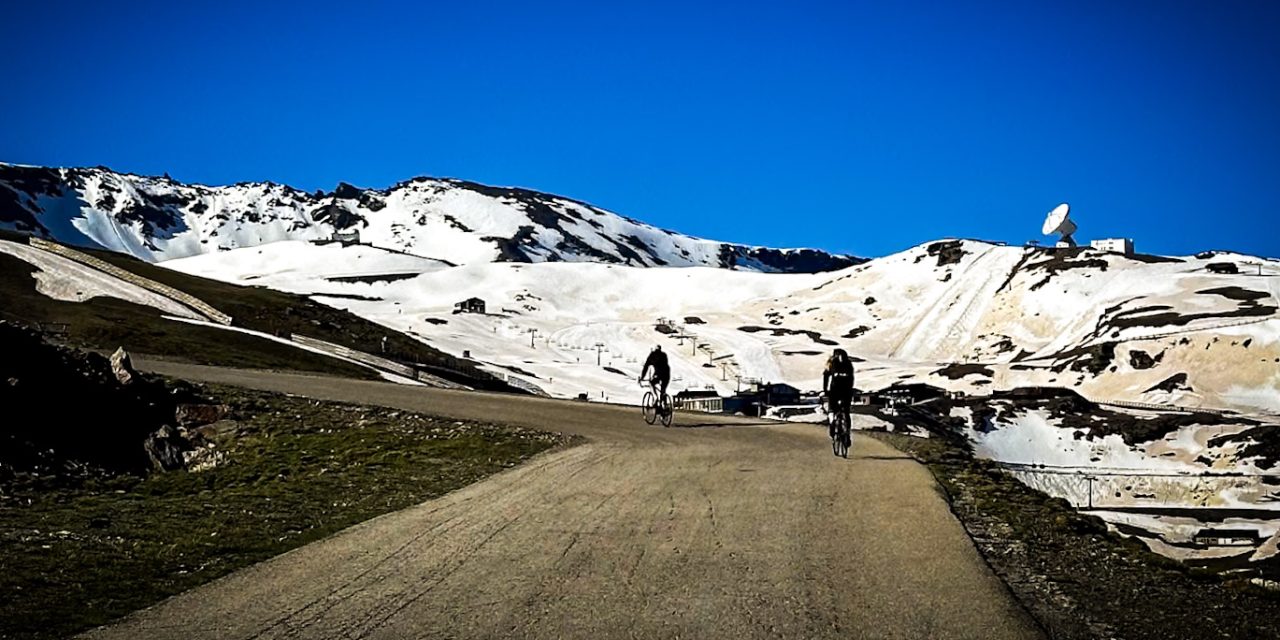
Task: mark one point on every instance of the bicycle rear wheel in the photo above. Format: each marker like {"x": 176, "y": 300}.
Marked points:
{"x": 840, "y": 436}
{"x": 834, "y": 432}
{"x": 667, "y": 412}
{"x": 649, "y": 408}
{"x": 847, "y": 438}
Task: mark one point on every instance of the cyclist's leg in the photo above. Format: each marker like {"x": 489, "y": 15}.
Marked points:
{"x": 842, "y": 402}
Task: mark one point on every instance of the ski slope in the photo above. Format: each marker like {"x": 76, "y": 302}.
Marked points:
{"x": 1022, "y": 315}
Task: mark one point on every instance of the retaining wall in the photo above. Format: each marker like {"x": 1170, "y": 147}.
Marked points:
{"x": 180, "y": 297}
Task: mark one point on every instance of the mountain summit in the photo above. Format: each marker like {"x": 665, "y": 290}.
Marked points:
{"x": 453, "y": 221}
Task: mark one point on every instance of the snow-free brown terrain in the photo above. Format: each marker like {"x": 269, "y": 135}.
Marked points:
{"x": 719, "y": 527}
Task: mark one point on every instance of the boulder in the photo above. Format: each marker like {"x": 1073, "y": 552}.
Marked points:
{"x": 217, "y": 430}
{"x": 166, "y": 448}
{"x": 203, "y": 458}
{"x": 122, "y": 366}
{"x": 195, "y": 415}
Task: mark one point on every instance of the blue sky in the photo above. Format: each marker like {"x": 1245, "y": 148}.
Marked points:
{"x": 855, "y": 127}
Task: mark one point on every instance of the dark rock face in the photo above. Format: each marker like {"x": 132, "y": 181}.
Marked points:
{"x": 70, "y": 409}
{"x": 166, "y": 449}
{"x": 1142, "y": 360}
{"x": 956, "y": 371}
{"x": 947, "y": 252}
{"x": 1094, "y": 359}
{"x": 1176, "y": 382}
{"x": 777, "y": 331}
{"x": 338, "y": 216}
{"x": 791, "y": 260}
{"x": 20, "y": 187}
{"x": 159, "y": 216}
{"x": 856, "y": 332}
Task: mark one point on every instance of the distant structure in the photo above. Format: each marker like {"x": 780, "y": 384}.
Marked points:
{"x": 1114, "y": 245}
{"x": 470, "y": 305}
{"x": 1059, "y": 222}
{"x": 902, "y": 394}
{"x": 759, "y": 396}
{"x": 700, "y": 400}
{"x": 347, "y": 238}
{"x": 1227, "y": 538}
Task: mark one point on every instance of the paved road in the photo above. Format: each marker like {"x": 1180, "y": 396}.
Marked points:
{"x": 721, "y": 528}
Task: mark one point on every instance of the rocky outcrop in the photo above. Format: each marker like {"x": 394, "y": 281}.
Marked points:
{"x": 122, "y": 367}
{"x": 198, "y": 415}
{"x": 166, "y": 449}
{"x": 72, "y": 411}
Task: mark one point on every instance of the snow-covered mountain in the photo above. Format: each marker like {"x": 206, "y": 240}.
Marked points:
{"x": 958, "y": 314}
{"x": 452, "y": 221}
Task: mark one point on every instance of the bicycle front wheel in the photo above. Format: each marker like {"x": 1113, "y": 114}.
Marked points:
{"x": 649, "y": 407}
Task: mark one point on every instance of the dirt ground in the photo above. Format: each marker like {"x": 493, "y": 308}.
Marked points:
{"x": 716, "y": 527}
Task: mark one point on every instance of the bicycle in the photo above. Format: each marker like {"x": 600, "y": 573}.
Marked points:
{"x": 838, "y": 429}
{"x": 656, "y": 408}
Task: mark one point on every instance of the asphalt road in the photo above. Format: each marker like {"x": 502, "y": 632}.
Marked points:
{"x": 715, "y": 528}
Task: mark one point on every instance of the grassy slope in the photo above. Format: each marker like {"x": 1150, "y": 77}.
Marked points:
{"x": 107, "y": 323}
{"x": 300, "y": 470}
{"x": 282, "y": 313}
{"x": 110, "y": 323}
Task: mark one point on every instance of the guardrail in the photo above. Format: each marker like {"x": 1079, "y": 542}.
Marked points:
{"x": 181, "y": 297}
{"x": 1151, "y": 406}
{"x": 525, "y": 385}
{"x": 376, "y": 362}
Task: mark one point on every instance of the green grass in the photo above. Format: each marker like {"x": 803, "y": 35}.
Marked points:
{"x": 280, "y": 313}
{"x": 105, "y": 323}
{"x": 298, "y": 471}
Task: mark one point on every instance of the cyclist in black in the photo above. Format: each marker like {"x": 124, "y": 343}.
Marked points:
{"x": 661, "y": 370}
{"x": 837, "y": 382}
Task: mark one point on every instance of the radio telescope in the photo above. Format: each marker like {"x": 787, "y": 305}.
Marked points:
{"x": 1058, "y": 222}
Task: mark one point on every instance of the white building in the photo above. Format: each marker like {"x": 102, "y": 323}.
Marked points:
{"x": 1115, "y": 245}
{"x": 347, "y": 238}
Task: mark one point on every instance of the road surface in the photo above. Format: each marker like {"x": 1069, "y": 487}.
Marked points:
{"x": 716, "y": 528}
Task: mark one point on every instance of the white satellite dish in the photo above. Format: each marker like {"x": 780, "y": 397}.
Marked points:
{"x": 1058, "y": 222}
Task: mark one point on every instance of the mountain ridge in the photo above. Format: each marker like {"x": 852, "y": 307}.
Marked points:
{"x": 450, "y": 219}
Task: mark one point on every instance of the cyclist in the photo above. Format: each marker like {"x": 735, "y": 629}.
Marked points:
{"x": 661, "y": 377}
{"x": 837, "y": 383}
